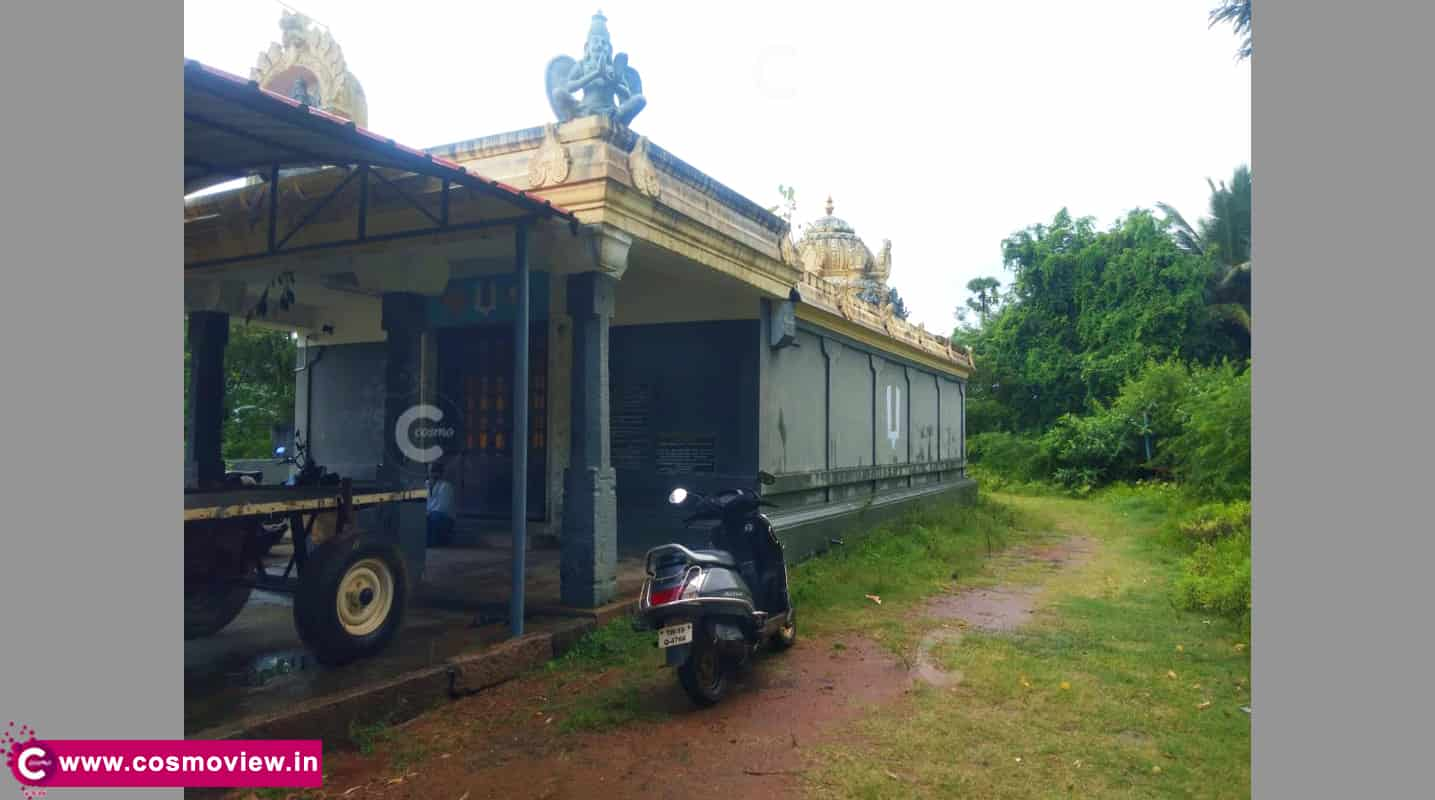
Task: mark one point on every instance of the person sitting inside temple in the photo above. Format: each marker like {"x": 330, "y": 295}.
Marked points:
{"x": 440, "y": 507}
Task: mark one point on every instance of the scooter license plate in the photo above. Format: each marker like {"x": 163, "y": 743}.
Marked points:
{"x": 674, "y": 635}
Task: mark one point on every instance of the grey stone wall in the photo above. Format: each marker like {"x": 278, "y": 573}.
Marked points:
{"x": 345, "y": 431}
{"x": 843, "y": 422}
{"x": 683, "y": 411}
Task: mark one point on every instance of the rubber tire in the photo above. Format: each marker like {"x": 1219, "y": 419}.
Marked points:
{"x": 316, "y": 615}
{"x": 210, "y": 607}
{"x": 785, "y": 638}
{"x": 705, "y": 696}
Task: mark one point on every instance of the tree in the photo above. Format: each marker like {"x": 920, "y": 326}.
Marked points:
{"x": 1086, "y": 310}
{"x": 258, "y": 387}
{"x": 986, "y": 292}
{"x": 1224, "y": 237}
{"x": 1238, "y": 14}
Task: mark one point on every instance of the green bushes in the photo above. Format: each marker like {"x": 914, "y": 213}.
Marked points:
{"x": 1216, "y": 578}
{"x": 1212, "y": 521}
{"x": 1215, "y": 573}
{"x": 1087, "y": 451}
{"x": 1009, "y": 455}
{"x": 1197, "y": 421}
{"x": 1212, "y": 453}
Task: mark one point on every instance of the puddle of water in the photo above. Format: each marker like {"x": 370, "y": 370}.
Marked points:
{"x": 995, "y": 610}
{"x": 265, "y": 668}
{"x": 999, "y": 609}
{"x": 927, "y": 669}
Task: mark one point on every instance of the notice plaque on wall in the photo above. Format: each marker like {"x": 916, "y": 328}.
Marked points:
{"x": 681, "y": 455}
{"x": 628, "y": 429}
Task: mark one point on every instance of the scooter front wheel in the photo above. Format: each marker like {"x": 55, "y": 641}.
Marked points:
{"x": 705, "y": 675}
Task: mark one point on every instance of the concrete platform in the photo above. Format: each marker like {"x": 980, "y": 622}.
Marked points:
{"x": 255, "y": 679}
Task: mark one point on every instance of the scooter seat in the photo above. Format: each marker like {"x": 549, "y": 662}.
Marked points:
{"x": 713, "y": 558}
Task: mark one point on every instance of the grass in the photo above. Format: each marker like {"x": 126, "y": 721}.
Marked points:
{"x": 368, "y": 735}
{"x": 1080, "y": 703}
{"x": 902, "y": 563}
{"x": 615, "y": 670}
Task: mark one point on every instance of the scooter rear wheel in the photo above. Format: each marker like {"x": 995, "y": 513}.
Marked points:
{"x": 705, "y": 676}
{"x": 786, "y": 636}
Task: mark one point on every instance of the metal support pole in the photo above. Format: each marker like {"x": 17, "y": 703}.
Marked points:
{"x": 519, "y": 439}
{"x": 273, "y": 208}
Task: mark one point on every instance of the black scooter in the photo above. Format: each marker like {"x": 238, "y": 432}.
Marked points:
{"x": 713, "y": 609}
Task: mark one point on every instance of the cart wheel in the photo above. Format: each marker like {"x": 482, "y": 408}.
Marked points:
{"x": 351, "y": 598}
{"x": 209, "y": 606}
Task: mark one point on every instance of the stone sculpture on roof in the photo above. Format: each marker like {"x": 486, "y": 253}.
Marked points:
{"x": 308, "y": 65}
{"x": 608, "y": 85}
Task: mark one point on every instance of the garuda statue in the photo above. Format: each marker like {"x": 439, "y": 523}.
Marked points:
{"x": 610, "y": 87}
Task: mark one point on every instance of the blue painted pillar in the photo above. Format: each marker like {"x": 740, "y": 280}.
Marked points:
{"x": 404, "y": 320}
{"x": 590, "y": 506}
{"x": 519, "y": 439}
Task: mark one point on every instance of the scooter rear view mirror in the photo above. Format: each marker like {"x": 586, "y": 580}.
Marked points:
{"x": 766, "y": 478}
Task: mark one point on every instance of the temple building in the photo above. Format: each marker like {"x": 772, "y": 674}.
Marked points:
{"x": 676, "y": 334}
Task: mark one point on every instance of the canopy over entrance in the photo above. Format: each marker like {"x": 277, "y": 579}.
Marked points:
{"x": 234, "y": 129}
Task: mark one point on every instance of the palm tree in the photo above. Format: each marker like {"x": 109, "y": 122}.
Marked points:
{"x": 1225, "y": 237}
{"x": 1238, "y": 14}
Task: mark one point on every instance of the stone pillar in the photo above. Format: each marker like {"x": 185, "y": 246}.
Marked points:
{"x": 208, "y": 335}
{"x": 404, "y": 321}
{"x": 962, "y": 431}
{"x": 831, "y": 350}
{"x": 590, "y": 503}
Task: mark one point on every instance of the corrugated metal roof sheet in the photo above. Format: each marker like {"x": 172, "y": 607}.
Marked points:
{"x": 233, "y": 128}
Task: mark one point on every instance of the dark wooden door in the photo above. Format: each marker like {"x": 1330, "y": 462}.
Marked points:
{"x": 476, "y": 375}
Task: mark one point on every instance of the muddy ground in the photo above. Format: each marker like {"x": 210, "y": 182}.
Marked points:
{"x": 503, "y": 744}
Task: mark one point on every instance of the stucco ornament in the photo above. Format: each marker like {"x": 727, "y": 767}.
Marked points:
{"x": 308, "y": 65}
{"x": 832, "y": 251}
{"x": 550, "y": 165}
{"x": 788, "y": 251}
{"x": 608, "y": 85}
{"x": 849, "y": 301}
{"x": 640, "y": 166}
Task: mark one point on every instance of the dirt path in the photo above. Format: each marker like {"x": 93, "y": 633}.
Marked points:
{"x": 501, "y": 744}
{"x": 1001, "y": 608}
{"x": 751, "y": 746}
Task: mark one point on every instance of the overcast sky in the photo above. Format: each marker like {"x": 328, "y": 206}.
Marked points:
{"x": 944, "y": 127}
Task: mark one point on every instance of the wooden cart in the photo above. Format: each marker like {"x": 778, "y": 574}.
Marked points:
{"x": 350, "y": 585}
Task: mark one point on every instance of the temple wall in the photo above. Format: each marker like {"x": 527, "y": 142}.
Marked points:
{"x": 683, "y": 411}
{"x": 846, "y": 427}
